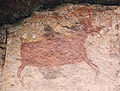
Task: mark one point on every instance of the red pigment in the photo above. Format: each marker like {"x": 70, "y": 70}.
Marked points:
{"x": 55, "y": 52}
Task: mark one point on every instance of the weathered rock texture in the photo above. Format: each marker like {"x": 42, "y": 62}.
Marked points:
{"x": 49, "y": 50}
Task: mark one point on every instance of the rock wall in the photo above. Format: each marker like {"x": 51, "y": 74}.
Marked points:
{"x": 73, "y": 48}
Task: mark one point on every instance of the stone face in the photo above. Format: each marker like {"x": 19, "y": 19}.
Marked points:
{"x": 49, "y": 50}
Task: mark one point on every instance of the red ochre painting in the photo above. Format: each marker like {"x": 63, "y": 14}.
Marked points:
{"x": 52, "y": 51}
{"x": 58, "y": 51}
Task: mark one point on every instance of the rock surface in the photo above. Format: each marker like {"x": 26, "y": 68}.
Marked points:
{"x": 95, "y": 28}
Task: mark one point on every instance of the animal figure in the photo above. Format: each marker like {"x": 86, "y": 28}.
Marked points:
{"x": 55, "y": 51}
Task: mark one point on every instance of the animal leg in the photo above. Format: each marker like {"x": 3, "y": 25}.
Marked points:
{"x": 92, "y": 65}
{"x": 19, "y": 73}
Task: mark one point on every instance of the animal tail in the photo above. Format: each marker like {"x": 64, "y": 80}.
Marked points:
{"x": 93, "y": 66}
